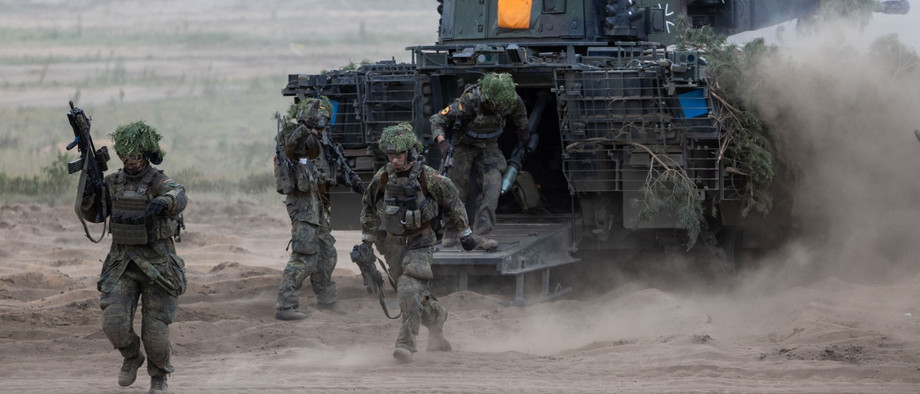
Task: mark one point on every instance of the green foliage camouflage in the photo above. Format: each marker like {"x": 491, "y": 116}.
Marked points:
{"x": 498, "y": 89}
{"x": 302, "y": 110}
{"x": 136, "y": 138}
{"x": 399, "y": 138}
{"x": 668, "y": 187}
{"x": 751, "y": 152}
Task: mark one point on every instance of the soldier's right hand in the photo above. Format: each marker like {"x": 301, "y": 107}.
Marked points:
{"x": 468, "y": 242}
{"x": 443, "y": 146}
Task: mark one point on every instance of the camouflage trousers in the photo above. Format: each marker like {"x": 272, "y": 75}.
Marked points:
{"x": 158, "y": 310}
{"x": 416, "y": 304}
{"x": 313, "y": 254}
{"x": 477, "y": 172}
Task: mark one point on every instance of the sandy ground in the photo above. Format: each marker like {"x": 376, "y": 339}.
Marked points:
{"x": 834, "y": 312}
{"x": 763, "y": 335}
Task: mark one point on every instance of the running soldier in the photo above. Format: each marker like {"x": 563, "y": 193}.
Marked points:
{"x": 409, "y": 195}
{"x": 144, "y": 207}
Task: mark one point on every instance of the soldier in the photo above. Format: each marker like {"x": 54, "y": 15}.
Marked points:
{"x": 480, "y": 113}
{"x": 144, "y": 206}
{"x": 303, "y": 175}
{"x": 409, "y": 194}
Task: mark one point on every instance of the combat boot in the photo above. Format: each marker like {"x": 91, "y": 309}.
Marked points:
{"x": 128, "y": 372}
{"x": 158, "y": 385}
{"x": 487, "y": 244}
{"x": 289, "y": 314}
{"x": 403, "y": 355}
{"x": 436, "y": 340}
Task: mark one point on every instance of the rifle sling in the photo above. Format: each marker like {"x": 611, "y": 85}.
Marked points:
{"x": 380, "y": 292}
{"x": 81, "y": 185}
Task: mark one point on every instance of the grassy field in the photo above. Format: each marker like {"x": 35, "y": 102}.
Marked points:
{"x": 206, "y": 74}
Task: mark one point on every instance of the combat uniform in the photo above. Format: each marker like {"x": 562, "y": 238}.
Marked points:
{"x": 142, "y": 263}
{"x": 478, "y": 163}
{"x": 312, "y": 245}
{"x": 409, "y": 251}
{"x": 403, "y": 199}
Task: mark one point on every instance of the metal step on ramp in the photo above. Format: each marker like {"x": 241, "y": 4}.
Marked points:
{"x": 527, "y": 244}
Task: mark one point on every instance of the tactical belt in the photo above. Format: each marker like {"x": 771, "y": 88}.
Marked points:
{"x": 478, "y": 136}
{"x": 404, "y": 239}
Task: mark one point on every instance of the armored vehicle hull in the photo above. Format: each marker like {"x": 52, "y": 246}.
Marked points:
{"x": 614, "y": 107}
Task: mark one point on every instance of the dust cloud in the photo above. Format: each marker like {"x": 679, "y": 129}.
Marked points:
{"x": 846, "y": 119}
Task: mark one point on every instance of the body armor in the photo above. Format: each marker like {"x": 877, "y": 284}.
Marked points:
{"x": 130, "y": 224}
{"x": 483, "y": 126}
{"x": 408, "y": 210}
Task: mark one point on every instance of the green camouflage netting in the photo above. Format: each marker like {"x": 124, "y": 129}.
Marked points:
{"x": 498, "y": 89}
{"x": 136, "y": 138}
{"x": 399, "y": 138}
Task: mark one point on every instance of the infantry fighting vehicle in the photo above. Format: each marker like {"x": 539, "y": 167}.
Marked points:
{"x": 611, "y": 103}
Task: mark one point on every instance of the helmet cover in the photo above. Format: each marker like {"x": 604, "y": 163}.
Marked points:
{"x": 138, "y": 138}
{"x": 399, "y": 138}
{"x": 498, "y": 89}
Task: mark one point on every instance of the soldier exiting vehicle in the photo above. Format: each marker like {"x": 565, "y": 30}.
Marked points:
{"x": 304, "y": 175}
{"x": 475, "y": 121}
{"x": 409, "y": 195}
{"x": 143, "y": 206}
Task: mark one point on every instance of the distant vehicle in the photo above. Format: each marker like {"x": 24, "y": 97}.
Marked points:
{"x": 610, "y": 103}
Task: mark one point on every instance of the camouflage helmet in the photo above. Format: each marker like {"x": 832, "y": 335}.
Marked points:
{"x": 498, "y": 89}
{"x": 315, "y": 112}
{"x": 399, "y": 138}
{"x": 138, "y": 138}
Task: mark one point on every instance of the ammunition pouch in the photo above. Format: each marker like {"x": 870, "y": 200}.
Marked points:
{"x": 129, "y": 224}
{"x": 284, "y": 175}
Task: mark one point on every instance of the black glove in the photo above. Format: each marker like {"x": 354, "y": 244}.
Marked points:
{"x": 363, "y": 256}
{"x": 524, "y": 135}
{"x": 363, "y": 253}
{"x": 444, "y": 146}
{"x": 469, "y": 242}
{"x": 156, "y": 207}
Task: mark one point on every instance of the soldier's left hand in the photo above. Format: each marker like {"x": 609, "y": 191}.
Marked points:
{"x": 524, "y": 135}
{"x": 156, "y": 207}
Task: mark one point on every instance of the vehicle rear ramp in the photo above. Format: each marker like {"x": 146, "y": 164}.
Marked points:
{"x": 527, "y": 245}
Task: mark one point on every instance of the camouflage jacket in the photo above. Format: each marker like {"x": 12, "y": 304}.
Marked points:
{"x": 440, "y": 190}
{"x": 157, "y": 259}
{"x": 311, "y": 169}
{"x": 475, "y": 117}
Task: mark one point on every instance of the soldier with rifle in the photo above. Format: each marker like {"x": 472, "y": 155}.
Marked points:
{"x": 307, "y": 165}
{"x": 144, "y": 209}
{"x": 475, "y": 121}
{"x": 403, "y": 198}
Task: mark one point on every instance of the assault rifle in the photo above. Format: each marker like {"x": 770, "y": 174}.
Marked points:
{"x": 448, "y": 160}
{"x": 337, "y": 160}
{"x": 363, "y": 255}
{"x": 92, "y": 164}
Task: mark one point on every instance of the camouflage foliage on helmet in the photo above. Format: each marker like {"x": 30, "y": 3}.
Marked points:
{"x": 137, "y": 138}
{"x": 399, "y": 138}
{"x": 498, "y": 89}
{"x": 315, "y": 112}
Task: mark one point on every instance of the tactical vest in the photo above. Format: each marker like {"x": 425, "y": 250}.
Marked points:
{"x": 483, "y": 126}
{"x": 408, "y": 210}
{"x": 129, "y": 224}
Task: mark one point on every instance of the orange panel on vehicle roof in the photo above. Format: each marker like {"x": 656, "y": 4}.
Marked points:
{"x": 514, "y": 14}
